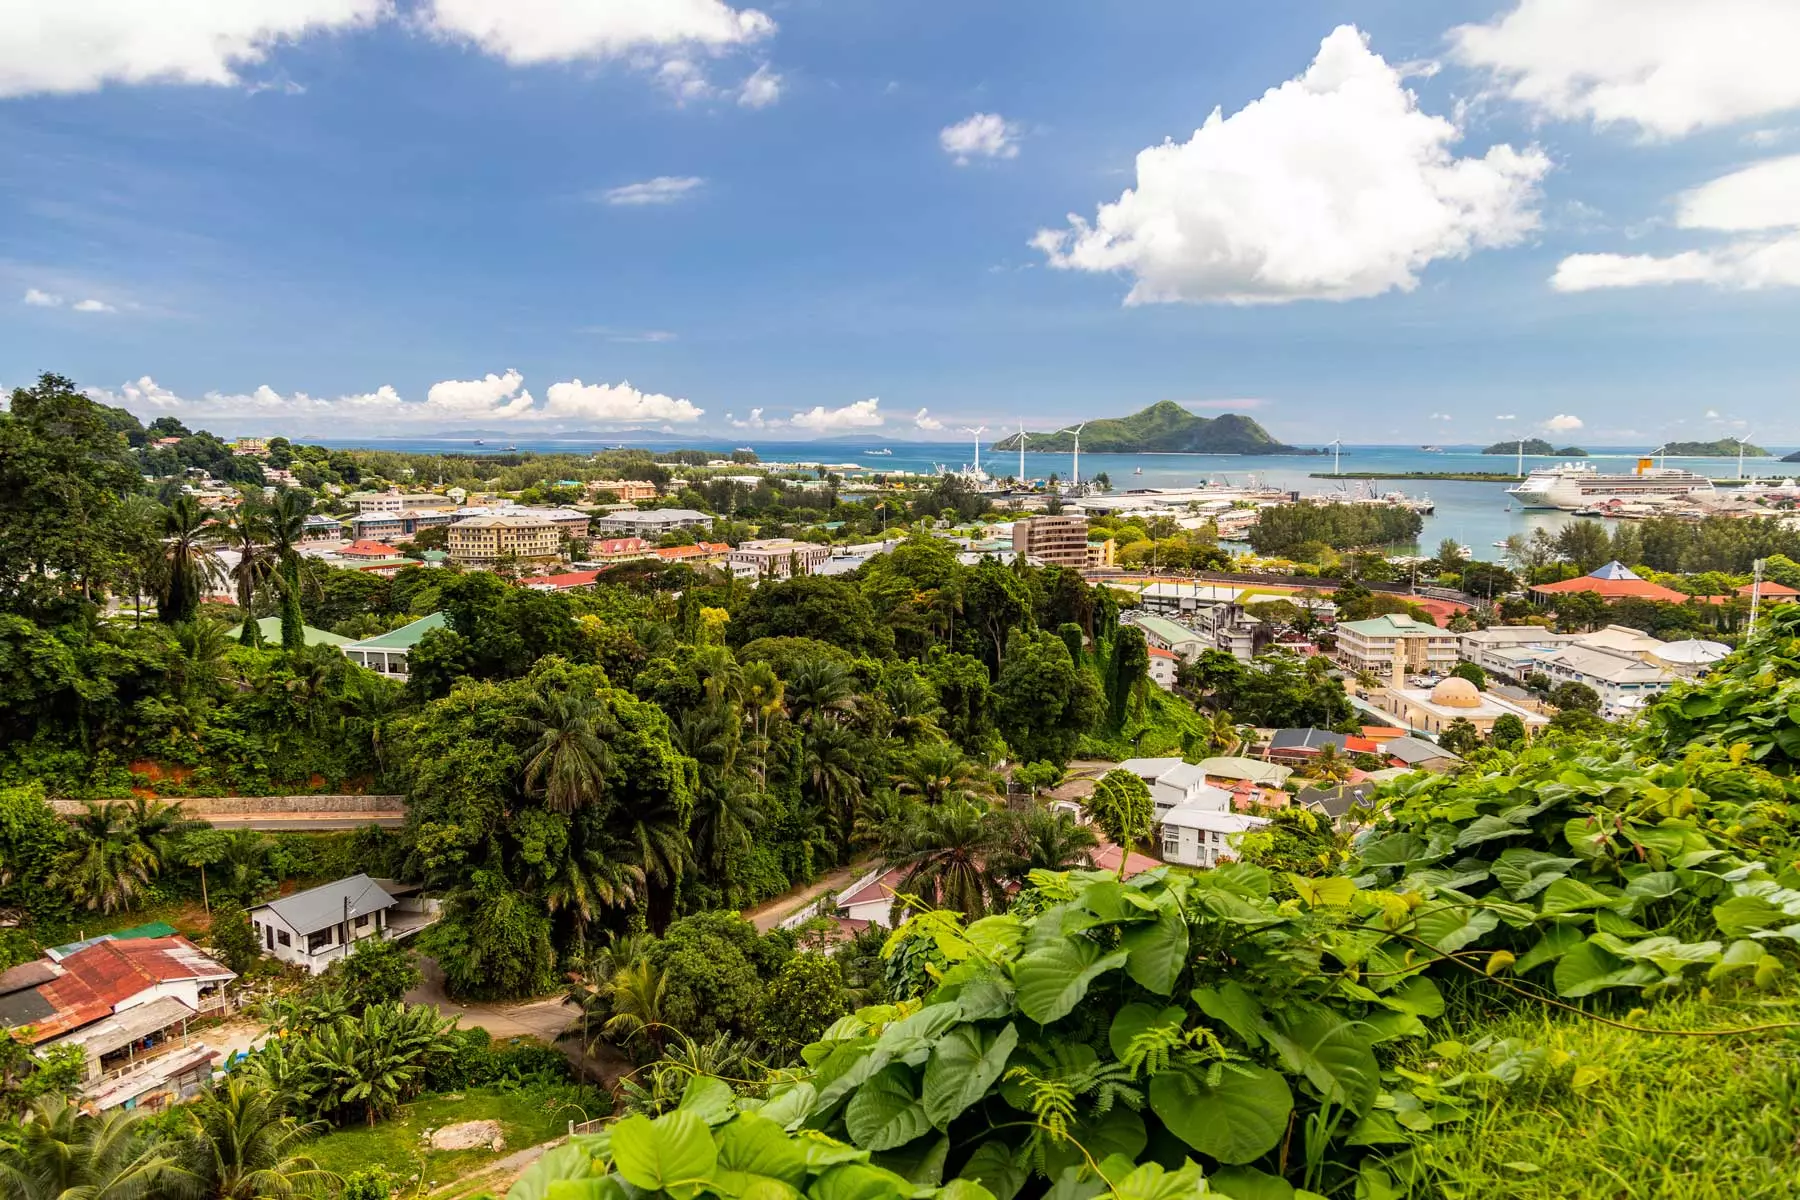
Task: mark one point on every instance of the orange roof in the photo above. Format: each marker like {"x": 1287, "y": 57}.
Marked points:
{"x": 697, "y": 550}
{"x": 1440, "y": 610}
{"x": 1611, "y": 589}
{"x": 369, "y": 549}
{"x": 558, "y": 583}
{"x": 104, "y": 975}
{"x": 1382, "y": 733}
{"x": 1360, "y": 745}
{"x": 1159, "y": 652}
{"x": 1106, "y": 858}
{"x": 617, "y": 545}
{"x": 1770, "y": 590}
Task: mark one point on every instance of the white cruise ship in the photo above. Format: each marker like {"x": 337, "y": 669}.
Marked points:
{"x": 1578, "y": 485}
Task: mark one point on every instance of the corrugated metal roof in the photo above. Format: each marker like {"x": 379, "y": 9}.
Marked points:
{"x": 405, "y": 637}
{"x": 322, "y": 907}
{"x": 131, "y": 1025}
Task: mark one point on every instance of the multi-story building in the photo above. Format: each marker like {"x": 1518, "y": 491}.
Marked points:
{"x": 484, "y": 541}
{"x": 393, "y": 500}
{"x": 1060, "y": 541}
{"x": 650, "y": 523}
{"x": 1391, "y": 646}
{"x": 250, "y": 447}
{"x": 628, "y": 490}
{"x": 776, "y": 558}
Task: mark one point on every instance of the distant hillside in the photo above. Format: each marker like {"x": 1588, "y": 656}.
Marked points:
{"x": 1163, "y": 428}
{"x": 1536, "y": 446}
{"x": 1723, "y": 448}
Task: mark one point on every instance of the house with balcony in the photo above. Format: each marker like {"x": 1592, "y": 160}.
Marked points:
{"x": 317, "y": 927}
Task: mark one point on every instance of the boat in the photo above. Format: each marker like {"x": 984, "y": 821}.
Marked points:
{"x": 479, "y": 442}
{"x": 1432, "y": 449}
{"x": 887, "y": 452}
{"x": 1574, "y": 486}
{"x": 510, "y": 447}
{"x": 1138, "y": 471}
{"x": 743, "y": 450}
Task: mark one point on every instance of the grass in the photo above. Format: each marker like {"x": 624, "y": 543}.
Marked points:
{"x": 1656, "y": 1116}
{"x": 527, "y": 1116}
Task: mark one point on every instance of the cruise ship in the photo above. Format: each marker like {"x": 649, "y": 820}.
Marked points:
{"x": 1579, "y": 485}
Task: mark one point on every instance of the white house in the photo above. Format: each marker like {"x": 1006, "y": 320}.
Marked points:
{"x": 1196, "y": 836}
{"x": 1175, "y": 783}
{"x": 315, "y": 928}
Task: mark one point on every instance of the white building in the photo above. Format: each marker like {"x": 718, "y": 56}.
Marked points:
{"x": 1176, "y": 596}
{"x": 315, "y": 928}
{"x": 1390, "y": 646}
{"x": 1163, "y": 634}
{"x": 1175, "y": 783}
{"x": 776, "y": 558}
{"x": 1196, "y": 836}
{"x": 1163, "y": 666}
{"x": 1623, "y": 682}
{"x": 652, "y": 523}
{"x": 1497, "y": 650}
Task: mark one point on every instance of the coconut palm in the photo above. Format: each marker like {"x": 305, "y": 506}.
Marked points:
{"x": 949, "y": 853}
{"x": 138, "y": 524}
{"x": 636, "y": 995}
{"x": 939, "y": 774}
{"x": 820, "y": 692}
{"x": 187, "y": 568}
{"x": 1040, "y": 840}
{"x": 58, "y": 1152}
{"x": 726, "y": 812}
{"x": 568, "y": 761}
{"x": 106, "y": 869}
{"x": 240, "y": 1146}
{"x": 831, "y": 759}
{"x": 584, "y": 881}
{"x": 285, "y": 523}
{"x": 913, "y": 709}
{"x": 247, "y": 532}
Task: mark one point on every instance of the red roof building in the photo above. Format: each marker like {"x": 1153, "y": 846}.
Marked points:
{"x": 1613, "y": 582}
{"x": 96, "y": 981}
{"x": 370, "y": 550}
{"x": 612, "y": 550}
{"x": 559, "y": 583}
{"x": 699, "y": 552}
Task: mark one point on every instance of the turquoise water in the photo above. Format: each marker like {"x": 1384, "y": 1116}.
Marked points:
{"x": 1475, "y": 514}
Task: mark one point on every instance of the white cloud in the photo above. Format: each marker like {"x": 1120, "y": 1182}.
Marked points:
{"x": 39, "y": 299}
{"x": 524, "y": 32}
{"x": 1668, "y": 67}
{"x": 614, "y": 402}
{"x": 81, "y": 45}
{"x": 664, "y": 189}
{"x": 1442, "y": 417}
{"x": 94, "y": 306}
{"x": 685, "y": 80}
{"x": 1333, "y": 186}
{"x": 1506, "y": 417}
{"x": 762, "y": 89}
{"x": 1762, "y": 200}
{"x": 1562, "y": 423}
{"x": 1712, "y": 414}
{"x": 924, "y": 420}
{"x": 863, "y": 414}
{"x": 984, "y": 135}
{"x": 753, "y": 421}
{"x": 496, "y": 396}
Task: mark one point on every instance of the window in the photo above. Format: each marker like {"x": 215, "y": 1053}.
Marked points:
{"x": 362, "y": 922}
{"x": 318, "y": 941}
{"x": 281, "y": 936}
{"x": 1171, "y": 845}
{"x": 257, "y": 927}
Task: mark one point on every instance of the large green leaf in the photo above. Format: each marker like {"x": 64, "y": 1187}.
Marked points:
{"x": 708, "y": 1098}
{"x": 1572, "y": 895}
{"x": 1000, "y": 1168}
{"x": 673, "y": 1153}
{"x": 1336, "y": 1056}
{"x": 1524, "y": 873}
{"x": 1053, "y": 980}
{"x": 1121, "y": 1131}
{"x": 1741, "y": 915}
{"x": 1156, "y": 952}
{"x": 1234, "y": 1007}
{"x": 755, "y": 1145}
{"x": 1557, "y": 941}
{"x": 1248, "y": 1183}
{"x": 1137, "y": 1017}
{"x": 1447, "y": 927}
{"x": 1236, "y": 1120}
{"x": 566, "y": 1162}
{"x": 1587, "y": 969}
{"x": 964, "y": 1066}
{"x": 885, "y": 1112}
{"x": 860, "y": 1181}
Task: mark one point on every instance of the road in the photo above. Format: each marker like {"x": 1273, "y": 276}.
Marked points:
{"x": 768, "y": 914}
{"x": 542, "y": 1019}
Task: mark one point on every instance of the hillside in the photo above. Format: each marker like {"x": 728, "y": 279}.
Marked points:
{"x": 1722, "y": 448}
{"x": 1536, "y": 446}
{"x": 1163, "y": 428}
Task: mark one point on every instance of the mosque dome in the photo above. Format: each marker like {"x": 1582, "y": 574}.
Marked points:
{"x": 1456, "y": 693}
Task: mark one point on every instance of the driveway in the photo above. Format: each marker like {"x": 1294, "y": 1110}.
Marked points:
{"x": 542, "y": 1019}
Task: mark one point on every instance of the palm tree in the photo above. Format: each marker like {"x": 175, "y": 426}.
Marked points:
{"x": 584, "y": 881}
{"x": 1040, "y": 840}
{"x": 106, "y": 869}
{"x": 241, "y": 1147}
{"x": 726, "y": 812}
{"x": 831, "y": 758}
{"x": 948, "y": 852}
{"x": 59, "y": 1152}
{"x": 939, "y": 774}
{"x": 820, "y": 692}
{"x": 196, "y": 662}
{"x": 138, "y": 523}
{"x": 568, "y": 762}
{"x": 636, "y": 994}
{"x": 247, "y": 532}
{"x": 158, "y": 826}
{"x": 286, "y": 528}
{"x": 188, "y": 566}
{"x": 914, "y": 709}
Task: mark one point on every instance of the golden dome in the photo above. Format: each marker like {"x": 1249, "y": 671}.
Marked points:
{"x": 1456, "y": 693}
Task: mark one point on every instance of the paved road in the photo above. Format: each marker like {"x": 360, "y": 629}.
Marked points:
{"x": 543, "y": 1019}
{"x": 768, "y": 914}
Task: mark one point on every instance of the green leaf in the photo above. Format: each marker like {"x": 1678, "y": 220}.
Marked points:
{"x": 674, "y": 1150}
{"x": 1447, "y": 928}
{"x": 1134, "y": 1019}
{"x": 1150, "y": 1181}
{"x": 1486, "y": 829}
{"x": 1075, "y": 1184}
{"x": 963, "y": 1067}
{"x": 1572, "y": 895}
{"x": 1587, "y": 969}
{"x": 921, "y": 1162}
{"x": 1418, "y": 996}
{"x": 789, "y": 1106}
{"x": 568, "y": 1162}
{"x": 859, "y": 1181}
{"x": 964, "y": 1189}
{"x": 1557, "y": 941}
{"x": 885, "y": 1113}
{"x": 1157, "y": 952}
{"x": 1121, "y": 1131}
{"x": 755, "y": 1145}
{"x": 984, "y": 998}
{"x": 1742, "y": 915}
{"x": 997, "y": 938}
{"x": 599, "y": 1188}
{"x": 1398, "y": 850}
{"x": 709, "y": 1099}
{"x": 1052, "y": 981}
{"x": 999, "y": 1168}
{"x": 1524, "y": 873}
{"x": 1248, "y": 1183}
{"x": 1238, "y": 1120}
{"x": 1336, "y": 1056}
{"x": 1235, "y": 1008}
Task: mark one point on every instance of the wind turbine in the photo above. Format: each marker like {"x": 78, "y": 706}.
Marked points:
{"x": 1076, "y": 430}
{"x": 1337, "y": 446}
{"x": 976, "y": 432}
{"x": 1740, "y": 443}
{"x": 1021, "y": 452}
{"x": 1521, "y": 458}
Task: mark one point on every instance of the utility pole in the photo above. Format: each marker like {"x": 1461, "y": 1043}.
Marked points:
{"x": 1337, "y": 446}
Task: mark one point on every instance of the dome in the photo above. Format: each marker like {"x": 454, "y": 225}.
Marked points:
{"x": 1456, "y": 693}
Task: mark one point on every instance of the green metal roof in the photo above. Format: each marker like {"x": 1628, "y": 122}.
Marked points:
{"x": 270, "y": 628}
{"x": 1169, "y": 631}
{"x": 405, "y": 637}
{"x": 1389, "y": 624}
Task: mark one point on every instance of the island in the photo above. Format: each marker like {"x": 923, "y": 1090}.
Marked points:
{"x": 1723, "y": 448}
{"x": 1163, "y": 428}
{"x": 1539, "y": 447}
{"x": 1794, "y": 457}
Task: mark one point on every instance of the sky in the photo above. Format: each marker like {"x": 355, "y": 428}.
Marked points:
{"x": 1389, "y": 221}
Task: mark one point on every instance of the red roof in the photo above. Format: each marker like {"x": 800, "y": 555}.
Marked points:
{"x": 882, "y": 887}
{"x": 628, "y": 545}
{"x": 368, "y": 549}
{"x": 1106, "y": 858}
{"x": 560, "y": 583}
{"x": 697, "y": 550}
{"x": 1611, "y": 583}
{"x": 1360, "y": 745}
{"x": 1159, "y": 652}
{"x": 98, "y": 979}
{"x": 1382, "y": 733}
{"x": 1770, "y": 591}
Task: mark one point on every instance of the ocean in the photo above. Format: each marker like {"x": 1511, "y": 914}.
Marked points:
{"x": 1477, "y": 515}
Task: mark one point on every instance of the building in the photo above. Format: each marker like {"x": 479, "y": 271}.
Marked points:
{"x": 651, "y": 523}
{"x": 1613, "y": 582}
{"x": 1196, "y": 836}
{"x": 1060, "y": 541}
{"x": 1418, "y": 754}
{"x": 1164, "y": 664}
{"x": 1229, "y": 770}
{"x": 617, "y": 550}
{"x": 321, "y": 528}
{"x": 1624, "y": 682}
{"x": 386, "y": 653}
{"x": 776, "y": 558}
{"x": 315, "y": 928}
{"x": 1160, "y": 633}
{"x": 403, "y": 523}
{"x": 571, "y": 521}
{"x": 629, "y": 491}
{"x": 1304, "y": 745}
{"x": 251, "y": 447}
{"x": 1690, "y": 658}
{"x": 485, "y": 541}
{"x": 393, "y": 500}
{"x": 270, "y": 629}
{"x": 1175, "y": 596}
{"x": 1175, "y": 783}
{"x": 1435, "y": 709}
{"x": 1394, "y": 646}
{"x": 698, "y": 554}
{"x": 1336, "y": 803}
{"x": 367, "y": 551}
{"x": 565, "y": 582}
{"x": 1500, "y": 649}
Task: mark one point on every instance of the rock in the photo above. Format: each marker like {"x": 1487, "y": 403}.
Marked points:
{"x": 468, "y": 1135}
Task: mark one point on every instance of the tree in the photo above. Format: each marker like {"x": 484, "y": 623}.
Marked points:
{"x": 1128, "y": 674}
{"x": 246, "y": 532}
{"x": 1578, "y": 611}
{"x": 1043, "y": 701}
{"x": 285, "y": 525}
{"x": 1121, "y": 806}
{"x": 1584, "y": 544}
{"x": 1508, "y": 733}
{"x": 939, "y": 774}
{"x": 189, "y": 568}
{"x": 58, "y": 1152}
{"x": 805, "y": 997}
{"x": 1460, "y": 737}
{"x": 106, "y": 868}
{"x": 568, "y": 759}
{"x": 493, "y": 941}
{"x": 1471, "y": 672}
{"x": 949, "y": 854}
{"x": 1573, "y": 695}
{"x": 232, "y": 936}
{"x": 241, "y": 1146}
{"x": 713, "y": 967}
{"x": 1037, "y": 839}
{"x": 378, "y": 971}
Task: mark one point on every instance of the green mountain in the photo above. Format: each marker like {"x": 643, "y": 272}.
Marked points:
{"x": 1536, "y": 446}
{"x": 1723, "y": 448}
{"x": 1163, "y": 428}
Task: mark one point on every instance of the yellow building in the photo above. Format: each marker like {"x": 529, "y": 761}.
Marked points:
{"x": 484, "y": 541}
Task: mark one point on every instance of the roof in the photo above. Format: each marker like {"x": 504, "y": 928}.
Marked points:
{"x": 1169, "y": 631}
{"x": 150, "y": 929}
{"x": 624, "y": 545}
{"x": 1381, "y": 733}
{"x": 27, "y": 975}
{"x": 1390, "y": 625}
{"x": 1693, "y": 651}
{"x": 1106, "y": 858}
{"x": 655, "y": 514}
{"x": 1159, "y": 652}
{"x": 1411, "y": 750}
{"x": 1615, "y": 570}
{"x": 1306, "y": 739}
{"x": 405, "y": 637}
{"x": 368, "y": 549}
{"x": 1614, "y": 581}
{"x": 1149, "y": 768}
{"x": 1201, "y": 593}
{"x": 697, "y": 550}
{"x": 324, "y": 906}
{"x": 270, "y": 628}
{"x": 1193, "y": 816}
{"x": 1770, "y": 590}
{"x": 1183, "y": 775}
{"x": 130, "y": 1025}
{"x": 882, "y": 887}
{"x": 557, "y": 583}
{"x": 507, "y": 522}
{"x": 1247, "y": 768}
{"x": 26, "y": 1007}
{"x": 1334, "y": 802}
{"x": 1611, "y": 666}
{"x": 102, "y": 976}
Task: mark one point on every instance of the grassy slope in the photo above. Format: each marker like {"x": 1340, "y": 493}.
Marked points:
{"x": 527, "y": 1116}
{"x": 1669, "y": 1117}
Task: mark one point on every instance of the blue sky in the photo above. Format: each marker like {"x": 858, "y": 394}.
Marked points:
{"x": 338, "y": 217}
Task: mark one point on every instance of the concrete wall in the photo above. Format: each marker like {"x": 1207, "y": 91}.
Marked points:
{"x": 200, "y": 806}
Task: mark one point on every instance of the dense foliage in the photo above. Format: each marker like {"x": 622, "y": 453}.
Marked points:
{"x": 1287, "y": 529}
